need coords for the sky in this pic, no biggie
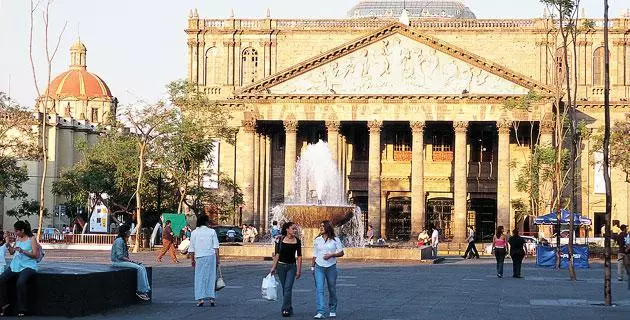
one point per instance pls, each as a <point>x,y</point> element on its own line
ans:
<point>139,46</point>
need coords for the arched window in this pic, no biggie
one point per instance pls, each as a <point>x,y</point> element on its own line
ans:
<point>598,66</point>
<point>212,67</point>
<point>249,66</point>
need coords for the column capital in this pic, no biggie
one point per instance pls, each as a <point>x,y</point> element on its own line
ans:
<point>460,126</point>
<point>375,126</point>
<point>417,126</point>
<point>290,125</point>
<point>249,125</point>
<point>504,126</point>
<point>546,126</point>
<point>333,125</point>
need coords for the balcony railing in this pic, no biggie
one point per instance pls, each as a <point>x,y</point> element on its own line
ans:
<point>442,156</point>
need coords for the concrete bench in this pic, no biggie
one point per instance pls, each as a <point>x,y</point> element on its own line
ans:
<point>79,289</point>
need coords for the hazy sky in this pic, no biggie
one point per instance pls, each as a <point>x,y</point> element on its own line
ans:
<point>138,46</point>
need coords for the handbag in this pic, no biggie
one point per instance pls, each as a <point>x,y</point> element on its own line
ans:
<point>220,283</point>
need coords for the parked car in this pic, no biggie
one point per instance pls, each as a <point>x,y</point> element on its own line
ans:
<point>224,233</point>
<point>51,235</point>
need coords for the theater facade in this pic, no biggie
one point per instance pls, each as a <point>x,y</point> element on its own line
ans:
<point>415,112</point>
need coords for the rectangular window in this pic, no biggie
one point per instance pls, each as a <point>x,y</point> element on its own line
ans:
<point>94,117</point>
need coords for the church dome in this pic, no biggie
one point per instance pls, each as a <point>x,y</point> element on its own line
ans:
<point>78,82</point>
<point>416,9</point>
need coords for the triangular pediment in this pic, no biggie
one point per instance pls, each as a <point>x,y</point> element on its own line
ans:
<point>396,61</point>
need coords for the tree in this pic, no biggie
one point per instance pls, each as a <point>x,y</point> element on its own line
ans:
<point>150,124</point>
<point>26,209</point>
<point>44,101</point>
<point>567,29</point>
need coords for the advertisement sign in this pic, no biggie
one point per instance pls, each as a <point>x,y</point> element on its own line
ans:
<point>99,219</point>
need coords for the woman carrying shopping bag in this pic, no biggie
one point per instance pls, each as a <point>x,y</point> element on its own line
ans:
<point>204,253</point>
<point>327,249</point>
<point>287,261</point>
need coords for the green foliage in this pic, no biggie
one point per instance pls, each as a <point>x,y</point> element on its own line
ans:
<point>26,209</point>
<point>522,103</point>
<point>12,176</point>
<point>619,145</point>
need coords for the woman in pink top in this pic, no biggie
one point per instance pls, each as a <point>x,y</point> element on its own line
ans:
<point>499,245</point>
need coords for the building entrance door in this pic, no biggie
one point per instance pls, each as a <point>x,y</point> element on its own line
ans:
<point>439,213</point>
<point>399,218</point>
<point>485,218</point>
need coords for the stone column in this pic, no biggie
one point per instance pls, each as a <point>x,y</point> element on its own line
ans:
<point>290,129</point>
<point>503,175</point>
<point>417,178</point>
<point>332,126</point>
<point>460,181</point>
<point>374,177</point>
<point>247,157</point>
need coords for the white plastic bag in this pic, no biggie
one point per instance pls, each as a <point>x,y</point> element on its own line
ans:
<point>269,288</point>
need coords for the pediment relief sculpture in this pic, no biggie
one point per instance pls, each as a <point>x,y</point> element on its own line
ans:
<point>398,65</point>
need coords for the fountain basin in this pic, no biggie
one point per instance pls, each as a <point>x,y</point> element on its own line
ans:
<point>310,216</point>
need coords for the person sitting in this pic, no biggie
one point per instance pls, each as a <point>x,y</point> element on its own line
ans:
<point>230,235</point>
<point>120,258</point>
<point>26,251</point>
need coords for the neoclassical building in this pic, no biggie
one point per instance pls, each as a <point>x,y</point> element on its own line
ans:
<point>414,112</point>
<point>75,107</point>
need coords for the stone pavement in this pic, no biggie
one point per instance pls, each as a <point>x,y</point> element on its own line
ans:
<point>457,289</point>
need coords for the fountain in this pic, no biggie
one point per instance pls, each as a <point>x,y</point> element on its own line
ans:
<point>318,195</point>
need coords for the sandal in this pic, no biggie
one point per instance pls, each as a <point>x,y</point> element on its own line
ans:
<point>200,303</point>
<point>3,309</point>
<point>286,313</point>
<point>212,304</point>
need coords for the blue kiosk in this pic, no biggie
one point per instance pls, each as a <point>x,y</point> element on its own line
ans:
<point>546,255</point>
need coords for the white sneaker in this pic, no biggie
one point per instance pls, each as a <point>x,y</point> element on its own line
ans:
<point>319,316</point>
<point>333,314</point>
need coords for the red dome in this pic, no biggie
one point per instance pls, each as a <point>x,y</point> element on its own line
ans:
<point>79,84</point>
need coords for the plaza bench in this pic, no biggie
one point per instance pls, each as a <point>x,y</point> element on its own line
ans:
<point>79,289</point>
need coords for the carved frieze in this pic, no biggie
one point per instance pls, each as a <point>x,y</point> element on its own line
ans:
<point>397,65</point>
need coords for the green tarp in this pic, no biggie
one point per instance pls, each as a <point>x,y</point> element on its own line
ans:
<point>178,221</point>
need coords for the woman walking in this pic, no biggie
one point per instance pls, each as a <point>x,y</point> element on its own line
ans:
<point>327,248</point>
<point>26,251</point>
<point>499,249</point>
<point>287,254</point>
<point>518,251</point>
<point>120,258</point>
<point>204,253</point>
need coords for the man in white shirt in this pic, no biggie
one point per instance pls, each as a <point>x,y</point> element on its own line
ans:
<point>472,249</point>
<point>435,240</point>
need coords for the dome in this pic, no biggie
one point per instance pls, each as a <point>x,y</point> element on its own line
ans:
<point>416,9</point>
<point>78,82</point>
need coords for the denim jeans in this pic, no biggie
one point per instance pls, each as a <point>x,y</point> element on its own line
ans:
<point>286,273</point>
<point>21,285</point>
<point>499,254</point>
<point>329,275</point>
<point>143,279</point>
<point>435,250</point>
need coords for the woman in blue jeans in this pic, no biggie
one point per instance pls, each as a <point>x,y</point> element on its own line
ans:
<point>327,248</point>
<point>287,261</point>
<point>120,258</point>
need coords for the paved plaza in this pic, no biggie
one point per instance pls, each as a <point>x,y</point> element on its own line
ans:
<point>456,289</point>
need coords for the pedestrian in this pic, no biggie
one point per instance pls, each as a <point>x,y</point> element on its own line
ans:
<point>26,251</point>
<point>435,240</point>
<point>287,260</point>
<point>621,252</point>
<point>471,251</point>
<point>204,254</point>
<point>246,233</point>
<point>499,250</point>
<point>626,259</point>
<point>326,249</point>
<point>168,243</point>
<point>275,230</point>
<point>120,258</point>
<point>3,252</point>
<point>518,251</point>
<point>253,233</point>
<point>370,235</point>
